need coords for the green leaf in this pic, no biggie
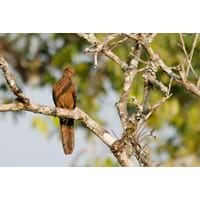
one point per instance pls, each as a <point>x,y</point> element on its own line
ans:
<point>41,125</point>
<point>64,56</point>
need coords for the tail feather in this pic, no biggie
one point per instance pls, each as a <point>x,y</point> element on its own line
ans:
<point>67,135</point>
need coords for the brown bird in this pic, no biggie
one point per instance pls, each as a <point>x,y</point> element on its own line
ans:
<point>64,96</point>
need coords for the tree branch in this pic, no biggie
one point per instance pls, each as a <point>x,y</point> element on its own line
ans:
<point>189,57</point>
<point>129,76</point>
<point>100,47</point>
<point>181,79</point>
<point>128,144</point>
<point>76,114</point>
<point>11,81</point>
<point>24,104</point>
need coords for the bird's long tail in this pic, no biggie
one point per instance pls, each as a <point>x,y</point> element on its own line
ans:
<point>67,134</point>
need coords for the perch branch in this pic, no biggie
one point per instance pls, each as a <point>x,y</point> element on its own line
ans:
<point>76,114</point>
<point>24,104</point>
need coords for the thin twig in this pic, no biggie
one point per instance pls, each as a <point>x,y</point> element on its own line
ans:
<point>158,84</point>
<point>188,58</point>
<point>115,44</point>
<point>193,46</point>
<point>157,105</point>
<point>170,85</point>
<point>100,47</point>
<point>158,61</point>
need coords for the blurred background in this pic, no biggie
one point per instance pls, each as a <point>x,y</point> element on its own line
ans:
<point>37,60</point>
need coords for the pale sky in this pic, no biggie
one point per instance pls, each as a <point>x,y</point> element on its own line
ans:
<point>21,145</point>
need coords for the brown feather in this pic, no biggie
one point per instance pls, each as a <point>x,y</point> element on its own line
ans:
<point>67,136</point>
<point>64,96</point>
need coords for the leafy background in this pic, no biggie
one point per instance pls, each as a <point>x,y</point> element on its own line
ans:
<point>38,61</point>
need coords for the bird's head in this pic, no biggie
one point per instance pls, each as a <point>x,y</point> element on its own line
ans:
<point>69,71</point>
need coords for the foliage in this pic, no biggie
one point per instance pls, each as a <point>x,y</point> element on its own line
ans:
<point>39,58</point>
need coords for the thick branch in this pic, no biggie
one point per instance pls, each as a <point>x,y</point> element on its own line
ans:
<point>24,104</point>
<point>77,114</point>
<point>129,76</point>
